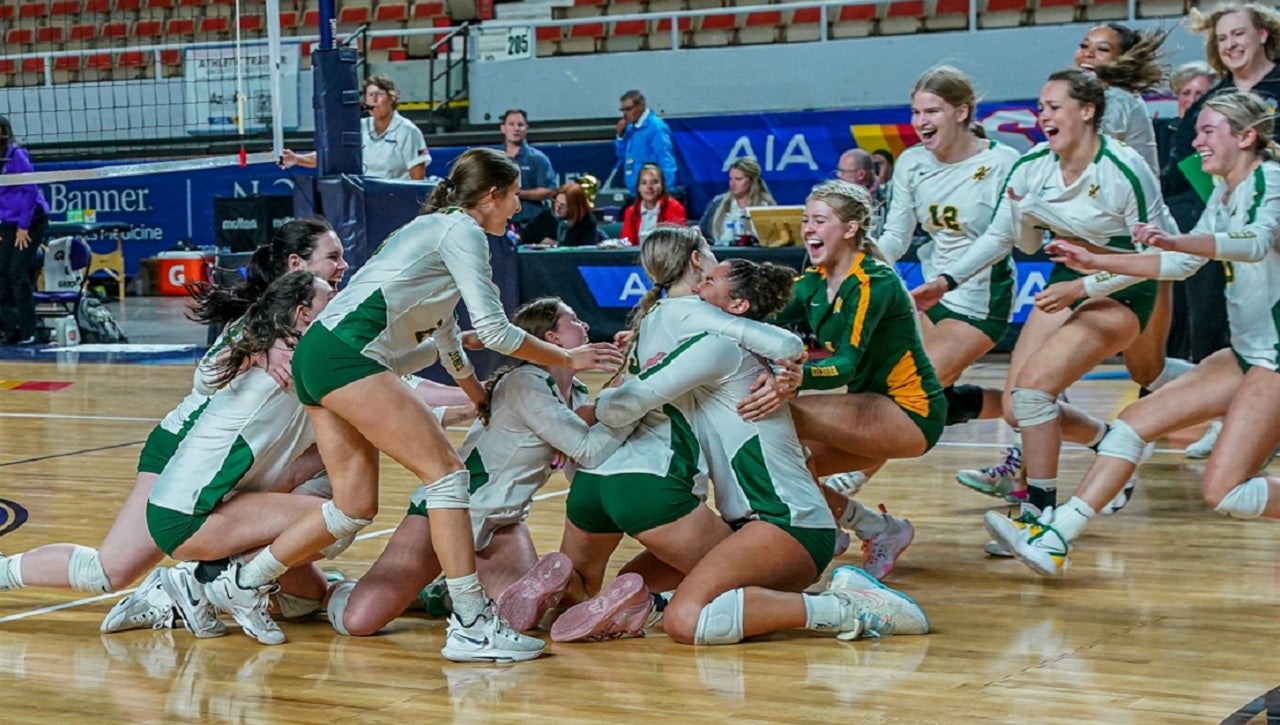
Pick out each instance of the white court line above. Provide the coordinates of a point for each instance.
(126, 592)
(117, 419)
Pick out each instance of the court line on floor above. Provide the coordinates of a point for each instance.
(73, 453)
(126, 592)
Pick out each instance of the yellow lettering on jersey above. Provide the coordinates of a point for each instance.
(824, 371)
(946, 217)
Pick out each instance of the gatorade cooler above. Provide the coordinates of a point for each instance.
(177, 269)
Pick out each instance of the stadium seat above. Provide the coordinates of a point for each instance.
(171, 63)
(948, 15)
(147, 30)
(9, 12)
(51, 35)
(82, 33)
(1162, 8)
(805, 26)
(102, 7)
(660, 36)
(424, 11)
(548, 40)
(902, 18)
(29, 10)
(180, 29)
(582, 38)
(1003, 13)
(760, 27)
(626, 35)
(66, 68)
(852, 21)
(64, 7)
(96, 67)
(251, 24)
(573, 12)
(391, 14)
(1053, 12)
(626, 7)
(158, 4)
(20, 36)
(215, 26)
(133, 64)
(127, 6)
(355, 12)
(713, 31)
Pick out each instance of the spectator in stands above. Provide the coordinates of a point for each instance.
(393, 147)
(568, 223)
(642, 138)
(655, 206)
(857, 167)
(725, 221)
(1189, 81)
(884, 167)
(24, 215)
(537, 177)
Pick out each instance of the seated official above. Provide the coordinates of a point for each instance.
(655, 206)
(568, 223)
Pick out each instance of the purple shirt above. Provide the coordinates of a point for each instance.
(18, 203)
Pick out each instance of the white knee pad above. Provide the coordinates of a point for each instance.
(293, 606)
(720, 622)
(453, 491)
(338, 605)
(1122, 442)
(85, 572)
(332, 551)
(1033, 407)
(1246, 501)
(339, 524)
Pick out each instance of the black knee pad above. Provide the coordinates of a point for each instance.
(964, 403)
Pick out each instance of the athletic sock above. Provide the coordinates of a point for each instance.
(11, 573)
(1071, 519)
(864, 522)
(1042, 493)
(467, 595)
(1173, 368)
(264, 569)
(823, 611)
(661, 600)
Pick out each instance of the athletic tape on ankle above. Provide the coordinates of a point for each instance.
(339, 524)
(1033, 407)
(451, 491)
(85, 572)
(1122, 442)
(720, 622)
(1246, 501)
(338, 605)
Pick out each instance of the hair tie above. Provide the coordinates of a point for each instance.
(448, 185)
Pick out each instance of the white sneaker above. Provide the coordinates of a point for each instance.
(488, 639)
(147, 607)
(1126, 494)
(881, 552)
(999, 481)
(847, 484)
(1033, 541)
(188, 595)
(247, 606)
(1203, 447)
(874, 610)
(993, 548)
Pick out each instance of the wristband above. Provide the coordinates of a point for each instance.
(951, 281)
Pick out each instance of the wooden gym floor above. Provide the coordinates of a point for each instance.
(1165, 615)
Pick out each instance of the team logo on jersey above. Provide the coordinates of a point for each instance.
(981, 173)
(1093, 191)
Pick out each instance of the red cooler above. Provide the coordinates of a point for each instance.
(177, 269)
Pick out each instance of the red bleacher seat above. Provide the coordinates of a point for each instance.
(147, 29)
(96, 6)
(354, 15)
(425, 9)
(37, 9)
(9, 66)
(64, 7)
(392, 11)
(626, 35)
(288, 21)
(311, 18)
(66, 63)
(251, 23)
(760, 27)
(33, 65)
(590, 2)
(714, 30)
(128, 5)
(9, 12)
(82, 33)
(805, 26)
(193, 3)
(902, 18)
(548, 39)
(159, 4)
(1107, 9)
(99, 61)
(133, 59)
(948, 15)
(384, 42)
(171, 61)
(1056, 11)
(214, 26)
(51, 34)
(114, 31)
(852, 21)
(1003, 13)
(180, 27)
(660, 36)
(582, 38)
(20, 36)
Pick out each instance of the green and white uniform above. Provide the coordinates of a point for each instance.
(510, 459)
(1127, 120)
(953, 203)
(242, 439)
(873, 336)
(403, 295)
(659, 474)
(1114, 192)
(756, 467)
(1245, 227)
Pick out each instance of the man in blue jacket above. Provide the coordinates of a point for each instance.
(643, 137)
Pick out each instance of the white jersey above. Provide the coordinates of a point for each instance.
(757, 467)
(1126, 120)
(243, 439)
(664, 437)
(1246, 229)
(510, 459)
(1114, 192)
(408, 290)
(202, 383)
(392, 154)
(953, 203)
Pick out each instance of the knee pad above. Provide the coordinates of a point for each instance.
(85, 572)
(1033, 407)
(338, 605)
(720, 622)
(1246, 501)
(339, 524)
(964, 403)
(1122, 442)
(332, 551)
(292, 606)
(452, 491)
(317, 486)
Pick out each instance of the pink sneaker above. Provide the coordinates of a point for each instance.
(620, 610)
(528, 598)
(881, 552)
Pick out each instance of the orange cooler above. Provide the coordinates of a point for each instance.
(176, 269)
